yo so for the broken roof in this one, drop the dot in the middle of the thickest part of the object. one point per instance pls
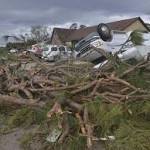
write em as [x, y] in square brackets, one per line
[67, 35]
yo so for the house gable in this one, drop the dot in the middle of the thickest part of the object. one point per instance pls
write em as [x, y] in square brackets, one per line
[137, 25]
[55, 39]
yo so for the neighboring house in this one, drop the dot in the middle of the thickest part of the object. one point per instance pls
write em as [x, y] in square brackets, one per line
[70, 36]
[4, 42]
[148, 25]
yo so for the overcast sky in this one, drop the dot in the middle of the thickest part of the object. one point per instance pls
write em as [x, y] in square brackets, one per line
[18, 15]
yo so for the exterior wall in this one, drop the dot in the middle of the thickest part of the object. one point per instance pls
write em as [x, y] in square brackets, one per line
[56, 40]
[137, 25]
[68, 44]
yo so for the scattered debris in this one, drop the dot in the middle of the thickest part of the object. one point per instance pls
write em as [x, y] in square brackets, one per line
[72, 87]
[43, 82]
[53, 137]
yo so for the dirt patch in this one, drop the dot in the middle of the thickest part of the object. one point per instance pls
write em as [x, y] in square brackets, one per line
[11, 141]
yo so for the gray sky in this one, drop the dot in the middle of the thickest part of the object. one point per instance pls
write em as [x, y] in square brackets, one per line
[18, 15]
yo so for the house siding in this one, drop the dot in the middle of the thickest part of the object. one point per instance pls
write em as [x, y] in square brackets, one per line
[56, 40]
[137, 25]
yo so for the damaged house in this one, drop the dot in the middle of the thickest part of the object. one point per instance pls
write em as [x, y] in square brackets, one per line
[61, 36]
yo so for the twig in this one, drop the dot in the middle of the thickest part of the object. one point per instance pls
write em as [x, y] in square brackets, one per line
[5, 99]
[123, 82]
[132, 69]
[83, 130]
[88, 128]
[96, 87]
[57, 88]
[84, 88]
[65, 126]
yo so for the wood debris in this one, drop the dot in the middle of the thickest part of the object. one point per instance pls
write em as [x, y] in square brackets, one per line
[42, 83]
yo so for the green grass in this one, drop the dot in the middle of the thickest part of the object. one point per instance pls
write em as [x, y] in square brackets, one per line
[131, 130]
[5, 56]
[131, 137]
[26, 140]
[128, 122]
[22, 117]
[105, 116]
[3, 53]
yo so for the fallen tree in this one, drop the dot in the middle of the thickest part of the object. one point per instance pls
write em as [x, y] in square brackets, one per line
[73, 89]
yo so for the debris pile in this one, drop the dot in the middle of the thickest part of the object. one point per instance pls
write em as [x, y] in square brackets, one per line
[70, 87]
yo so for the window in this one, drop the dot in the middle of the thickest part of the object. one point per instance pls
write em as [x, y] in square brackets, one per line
[54, 49]
[62, 49]
[45, 49]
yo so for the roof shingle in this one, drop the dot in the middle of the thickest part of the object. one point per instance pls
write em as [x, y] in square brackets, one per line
[67, 35]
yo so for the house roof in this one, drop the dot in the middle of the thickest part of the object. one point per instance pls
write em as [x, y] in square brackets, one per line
[67, 35]
[63, 33]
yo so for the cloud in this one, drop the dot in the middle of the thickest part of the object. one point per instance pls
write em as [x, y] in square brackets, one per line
[62, 11]
[16, 15]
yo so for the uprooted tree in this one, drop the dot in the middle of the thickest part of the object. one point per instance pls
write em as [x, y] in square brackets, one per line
[109, 105]
[40, 33]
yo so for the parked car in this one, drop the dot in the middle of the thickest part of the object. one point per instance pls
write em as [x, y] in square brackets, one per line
[54, 52]
[50, 52]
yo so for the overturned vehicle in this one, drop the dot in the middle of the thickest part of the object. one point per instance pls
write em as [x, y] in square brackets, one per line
[126, 45]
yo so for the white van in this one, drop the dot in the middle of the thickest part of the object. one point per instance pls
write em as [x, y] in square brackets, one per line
[54, 52]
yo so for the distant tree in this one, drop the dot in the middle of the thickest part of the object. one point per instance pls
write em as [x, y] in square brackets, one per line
[20, 45]
[40, 33]
[17, 38]
[21, 41]
[82, 26]
[74, 26]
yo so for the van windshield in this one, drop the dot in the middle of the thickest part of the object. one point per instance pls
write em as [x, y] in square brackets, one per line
[62, 49]
[54, 49]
